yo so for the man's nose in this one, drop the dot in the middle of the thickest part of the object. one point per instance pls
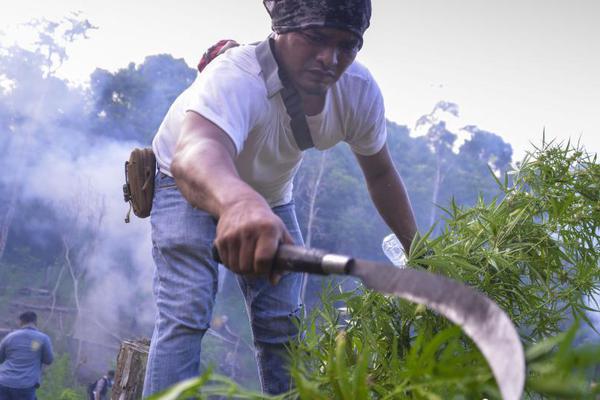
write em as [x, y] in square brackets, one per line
[328, 55]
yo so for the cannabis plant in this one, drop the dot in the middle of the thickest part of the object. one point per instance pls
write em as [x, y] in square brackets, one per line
[534, 251]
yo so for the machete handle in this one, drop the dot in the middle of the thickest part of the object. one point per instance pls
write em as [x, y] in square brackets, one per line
[301, 259]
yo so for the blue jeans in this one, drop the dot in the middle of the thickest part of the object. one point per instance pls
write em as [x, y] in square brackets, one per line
[7, 393]
[185, 285]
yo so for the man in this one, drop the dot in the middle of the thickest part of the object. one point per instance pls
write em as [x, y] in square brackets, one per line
[227, 157]
[22, 354]
[99, 389]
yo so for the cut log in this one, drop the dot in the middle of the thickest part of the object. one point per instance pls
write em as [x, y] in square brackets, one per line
[131, 368]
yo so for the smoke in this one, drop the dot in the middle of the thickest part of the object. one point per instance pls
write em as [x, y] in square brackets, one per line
[79, 177]
[62, 151]
[51, 155]
[83, 186]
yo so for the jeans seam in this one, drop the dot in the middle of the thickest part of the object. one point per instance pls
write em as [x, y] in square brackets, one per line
[160, 321]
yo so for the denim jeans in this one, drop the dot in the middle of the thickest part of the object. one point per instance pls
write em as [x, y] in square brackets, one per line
[7, 393]
[185, 285]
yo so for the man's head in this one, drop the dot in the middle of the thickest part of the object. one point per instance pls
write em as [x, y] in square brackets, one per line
[317, 39]
[28, 317]
[111, 374]
[294, 15]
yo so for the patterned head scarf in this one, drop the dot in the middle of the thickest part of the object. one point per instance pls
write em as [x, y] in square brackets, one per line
[291, 15]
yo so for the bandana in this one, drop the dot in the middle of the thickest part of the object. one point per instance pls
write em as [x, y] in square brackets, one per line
[291, 15]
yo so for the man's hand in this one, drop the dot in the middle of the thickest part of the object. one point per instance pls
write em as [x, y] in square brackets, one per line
[248, 235]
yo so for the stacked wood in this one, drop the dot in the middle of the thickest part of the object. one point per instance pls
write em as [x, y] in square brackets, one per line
[131, 368]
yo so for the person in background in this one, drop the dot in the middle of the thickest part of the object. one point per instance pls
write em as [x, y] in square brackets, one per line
[99, 389]
[22, 354]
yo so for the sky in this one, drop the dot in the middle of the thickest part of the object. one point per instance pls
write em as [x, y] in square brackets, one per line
[514, 67]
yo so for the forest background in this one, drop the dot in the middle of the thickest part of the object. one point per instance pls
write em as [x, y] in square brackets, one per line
[64, 248]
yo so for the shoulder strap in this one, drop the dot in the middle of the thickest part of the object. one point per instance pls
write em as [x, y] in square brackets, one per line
[289, 95]
[293, 105]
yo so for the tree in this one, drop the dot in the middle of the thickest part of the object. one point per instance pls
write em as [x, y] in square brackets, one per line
[27, 77]
[487, 148]
[130, 103]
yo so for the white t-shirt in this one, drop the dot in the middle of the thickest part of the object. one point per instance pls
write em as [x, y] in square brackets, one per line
[234, 94]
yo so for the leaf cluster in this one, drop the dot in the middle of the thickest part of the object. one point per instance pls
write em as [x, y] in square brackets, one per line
[534, 251]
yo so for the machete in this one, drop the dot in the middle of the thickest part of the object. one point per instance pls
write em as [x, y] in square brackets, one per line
[479, 317]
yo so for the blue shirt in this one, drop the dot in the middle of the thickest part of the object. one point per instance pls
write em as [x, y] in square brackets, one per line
[22, 353]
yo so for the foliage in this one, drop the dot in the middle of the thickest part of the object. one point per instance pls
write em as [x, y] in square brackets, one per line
[535, 252]
[130, 104]
[59, 383]
[541, 237]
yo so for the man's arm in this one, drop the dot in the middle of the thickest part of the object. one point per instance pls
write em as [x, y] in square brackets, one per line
[248, 232]
[389, 195]
[47, 354]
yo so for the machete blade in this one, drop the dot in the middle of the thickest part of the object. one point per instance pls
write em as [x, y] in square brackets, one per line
[480, 318]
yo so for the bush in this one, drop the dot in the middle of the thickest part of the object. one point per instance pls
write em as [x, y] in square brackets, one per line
[58, 382]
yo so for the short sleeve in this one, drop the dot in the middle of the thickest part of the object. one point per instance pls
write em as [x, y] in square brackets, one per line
[229, 97]
[368, 126]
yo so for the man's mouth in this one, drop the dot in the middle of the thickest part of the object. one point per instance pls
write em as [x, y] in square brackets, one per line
[321, 75]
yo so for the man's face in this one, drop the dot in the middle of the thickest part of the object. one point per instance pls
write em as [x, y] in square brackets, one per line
[315, 58]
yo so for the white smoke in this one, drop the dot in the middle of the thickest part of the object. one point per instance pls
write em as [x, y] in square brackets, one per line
[84, 185]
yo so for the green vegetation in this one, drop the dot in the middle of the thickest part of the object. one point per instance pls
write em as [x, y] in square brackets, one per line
[534, 251]
[529, 241]
[59, 383]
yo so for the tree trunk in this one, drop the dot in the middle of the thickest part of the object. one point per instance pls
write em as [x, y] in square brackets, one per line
[312, 211]
[7, 217]
[312, 218]
[437, 182]
[131, 368]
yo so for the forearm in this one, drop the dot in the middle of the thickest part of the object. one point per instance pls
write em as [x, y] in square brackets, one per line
[391, 200]
[47, 354]
[248, 232]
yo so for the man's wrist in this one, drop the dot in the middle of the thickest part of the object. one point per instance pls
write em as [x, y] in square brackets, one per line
[246, 199]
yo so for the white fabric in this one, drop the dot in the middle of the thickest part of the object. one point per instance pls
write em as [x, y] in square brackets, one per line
[231, 93]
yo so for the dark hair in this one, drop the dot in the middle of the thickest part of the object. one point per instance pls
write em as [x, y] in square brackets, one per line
[28, 317]
[111, 373]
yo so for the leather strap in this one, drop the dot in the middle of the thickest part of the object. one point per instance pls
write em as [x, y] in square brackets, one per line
[290, 96]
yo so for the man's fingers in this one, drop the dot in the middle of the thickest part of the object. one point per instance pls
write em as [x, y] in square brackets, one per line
[264, 254]
[228, 253]
[246, 255]
[250, 248]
